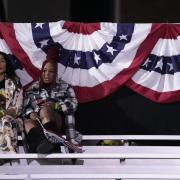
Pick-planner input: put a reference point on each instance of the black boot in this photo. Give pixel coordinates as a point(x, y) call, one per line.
point(45, 147)
point(38, 143)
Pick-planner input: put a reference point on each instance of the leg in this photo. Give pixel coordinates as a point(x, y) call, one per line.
point(74, 136)
point(34, 135)
point(70, 126)
point(28, 125)
point(47, 115)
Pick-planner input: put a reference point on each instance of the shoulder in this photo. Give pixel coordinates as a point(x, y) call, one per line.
point(13, 83)
point(62, 83)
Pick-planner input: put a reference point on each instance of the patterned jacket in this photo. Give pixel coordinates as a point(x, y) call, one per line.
point(63, 95)
point(14, 96)
point(9, 125)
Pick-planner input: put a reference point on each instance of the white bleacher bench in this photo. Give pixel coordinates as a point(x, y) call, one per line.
point(93, 172)
point(107, 152)
point(99, 153)
point(132, 137)
point(96, 171)
point(128, 137)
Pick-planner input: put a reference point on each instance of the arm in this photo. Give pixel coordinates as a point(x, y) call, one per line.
point(30, 108)
point(69, 102)
point(16, 108)
point(14, 97)
point(19, 102)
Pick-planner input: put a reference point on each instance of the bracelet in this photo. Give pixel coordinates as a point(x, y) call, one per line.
point(57, 106)
point(2, 112)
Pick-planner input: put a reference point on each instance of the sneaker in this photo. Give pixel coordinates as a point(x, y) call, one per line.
point(78, 137)
point(45, 147)
point(74, 141)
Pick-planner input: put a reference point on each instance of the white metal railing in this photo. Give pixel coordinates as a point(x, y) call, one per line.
point(128, 137)
point(131, 137)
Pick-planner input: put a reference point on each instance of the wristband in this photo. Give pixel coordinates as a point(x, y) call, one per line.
point(57, 106)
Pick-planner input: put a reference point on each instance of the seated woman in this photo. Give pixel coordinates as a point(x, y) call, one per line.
point(50, 101)
point(11, 100)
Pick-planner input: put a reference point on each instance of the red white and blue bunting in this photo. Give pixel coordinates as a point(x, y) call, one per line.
point(98, 58)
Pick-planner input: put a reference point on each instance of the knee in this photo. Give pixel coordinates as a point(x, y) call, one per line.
point(44, 112)
point(28, 125)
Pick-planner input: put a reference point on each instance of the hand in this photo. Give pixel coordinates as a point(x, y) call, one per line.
point(33, 116)
point(2, 113)
point(11, 112)
point(47, 104)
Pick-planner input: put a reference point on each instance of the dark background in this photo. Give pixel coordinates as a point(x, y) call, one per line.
point(123, 112)
point(90, 10)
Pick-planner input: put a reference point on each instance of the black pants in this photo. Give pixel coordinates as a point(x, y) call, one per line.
point(36, 135)
point(34, 138)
